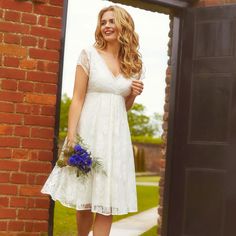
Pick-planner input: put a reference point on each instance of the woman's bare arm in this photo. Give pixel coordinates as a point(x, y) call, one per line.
point(136, 89)
point(80, 89)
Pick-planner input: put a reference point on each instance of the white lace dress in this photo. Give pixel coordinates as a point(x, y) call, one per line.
point(104, 127)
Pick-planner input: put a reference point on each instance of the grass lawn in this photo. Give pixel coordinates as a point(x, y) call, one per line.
point(151, 232)
point(148, 179)
point(64, 218)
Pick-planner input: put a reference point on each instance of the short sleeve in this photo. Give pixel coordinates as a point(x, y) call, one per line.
point(142, 74)
point(83, 61)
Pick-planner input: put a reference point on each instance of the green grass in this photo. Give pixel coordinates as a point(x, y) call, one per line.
point(151, 232)
point(64, 218)
point(148, 179)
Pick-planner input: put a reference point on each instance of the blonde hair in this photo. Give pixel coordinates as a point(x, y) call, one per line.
point(130, 58)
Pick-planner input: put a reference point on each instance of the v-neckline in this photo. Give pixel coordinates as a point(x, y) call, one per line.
point(104, 62)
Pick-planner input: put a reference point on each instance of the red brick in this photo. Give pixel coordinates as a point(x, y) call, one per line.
point(19, 5)
point(36, 226)
point(30, 191)
point(22, 131)
point(45, 32)
point(37, 143)
point(16, 226)
point(25, 86)
point(12, 16)
point(9, 84)
point(6, 129)
point(41, 99)
point(31, 179)
point(4, 201)
point(45, 88)
point(20, 154)
point(29, 18)
point(3, 225)
point(7, 213)
point(41, 179)
point(12, 73)
point(31, 203)
point(19, 178)
point(4, 178)
point(14, 27)
point(39, 120)
point(45, 156)
point(40, 226)
point(33, 214)
point(53, 67)
point(8, 190)
point(35, 109)
point(10, 118)
point(44, 54)
point(28, 41)
point(56, 2)
point(13, 50)
point(23, 108)
point(42, 133)
point(42, 203)
point(18, 202)
point(11, 38)
point(11, 96)
point(42, 20)
point(48, 110)
point(11, 61)
point(53, 44)
point(48, 10)
point(9, 164)
point(9, 142)
point(6, 107)
point(41, 43)
point(55, 22)
point(5, 153)
point(28, 64)
point(37, 167)
point(42, 77)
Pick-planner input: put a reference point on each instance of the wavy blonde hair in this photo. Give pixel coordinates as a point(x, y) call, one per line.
point(130, 58)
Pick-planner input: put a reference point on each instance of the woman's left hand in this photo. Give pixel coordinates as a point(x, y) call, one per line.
point(136, 87)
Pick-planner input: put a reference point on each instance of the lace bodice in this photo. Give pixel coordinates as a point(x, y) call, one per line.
point(101, 78)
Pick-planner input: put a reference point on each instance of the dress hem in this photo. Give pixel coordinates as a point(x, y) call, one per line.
point(89, 208)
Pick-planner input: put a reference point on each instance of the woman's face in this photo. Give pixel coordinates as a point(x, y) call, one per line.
point(108, 28)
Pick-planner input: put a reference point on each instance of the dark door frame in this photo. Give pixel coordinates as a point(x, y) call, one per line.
point(175, 9)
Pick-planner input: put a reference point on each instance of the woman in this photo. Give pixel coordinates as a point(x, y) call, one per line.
point(106, 84)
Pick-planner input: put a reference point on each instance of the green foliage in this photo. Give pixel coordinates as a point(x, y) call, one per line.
point(65, 105)
point(139, 123)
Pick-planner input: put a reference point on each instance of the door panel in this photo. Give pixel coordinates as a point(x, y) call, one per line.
point(202, 195)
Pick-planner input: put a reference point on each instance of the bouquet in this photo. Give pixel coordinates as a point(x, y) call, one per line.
point(81, 158)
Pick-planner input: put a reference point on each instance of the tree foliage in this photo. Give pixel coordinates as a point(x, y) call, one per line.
point(65, 104)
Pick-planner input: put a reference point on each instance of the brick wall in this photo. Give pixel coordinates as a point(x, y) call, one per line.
point(200, 3)
point(29, 56)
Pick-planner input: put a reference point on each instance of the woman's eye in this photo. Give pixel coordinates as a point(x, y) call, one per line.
point(103, 23)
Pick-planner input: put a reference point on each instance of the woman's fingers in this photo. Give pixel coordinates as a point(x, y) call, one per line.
point(137, 87)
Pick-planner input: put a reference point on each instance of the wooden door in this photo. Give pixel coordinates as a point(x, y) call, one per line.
point(201, 195)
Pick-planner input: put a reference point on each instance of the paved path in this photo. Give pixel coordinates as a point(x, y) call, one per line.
point(135, 225)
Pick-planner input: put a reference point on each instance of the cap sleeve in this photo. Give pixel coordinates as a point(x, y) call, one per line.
point(83, 61)
point(143, 71)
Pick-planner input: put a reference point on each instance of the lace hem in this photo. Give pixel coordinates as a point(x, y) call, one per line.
point(94, 208)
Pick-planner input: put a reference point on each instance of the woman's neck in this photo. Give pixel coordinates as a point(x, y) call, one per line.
point(113, 49)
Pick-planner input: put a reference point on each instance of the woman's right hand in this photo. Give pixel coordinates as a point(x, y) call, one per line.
point(71, 140)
